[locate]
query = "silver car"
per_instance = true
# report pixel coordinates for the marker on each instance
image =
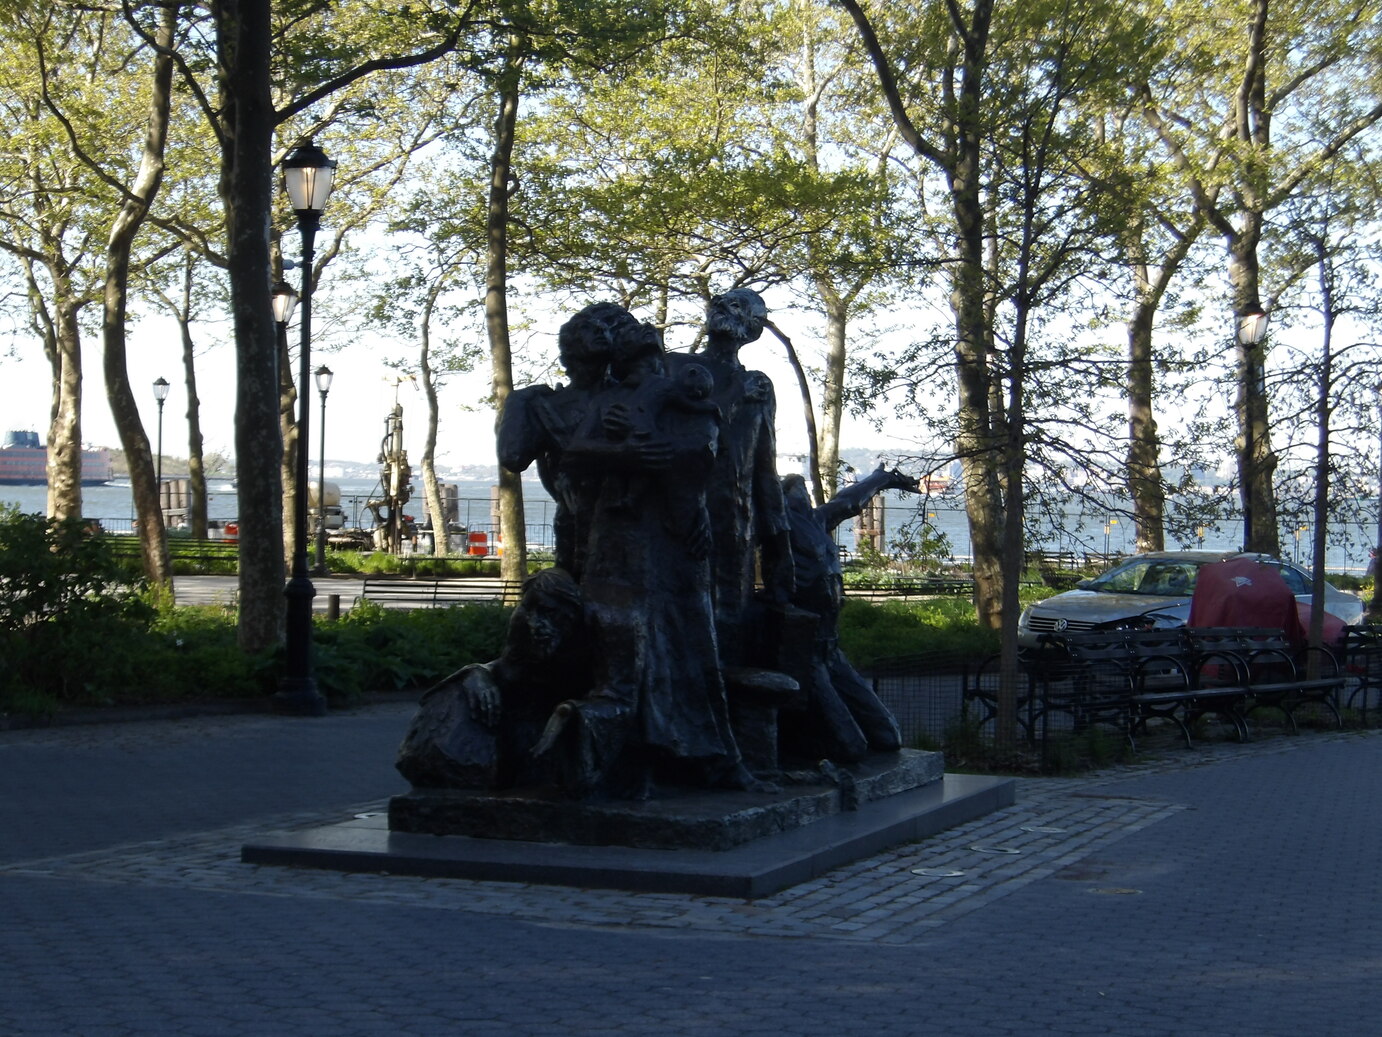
(1152, 592)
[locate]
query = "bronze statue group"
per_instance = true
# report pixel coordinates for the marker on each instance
(692, 609)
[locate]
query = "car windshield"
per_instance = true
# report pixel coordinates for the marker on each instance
(1159, 576)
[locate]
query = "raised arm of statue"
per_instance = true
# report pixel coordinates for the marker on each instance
(850, 500)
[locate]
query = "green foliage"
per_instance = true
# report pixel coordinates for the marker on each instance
(919, 543)
(870, 632)
(372, 648)
(75, 633)
(381, 563)
(196, 655)
(71, 628)
(189, 556)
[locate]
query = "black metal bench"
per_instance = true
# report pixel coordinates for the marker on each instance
(1362, 662)
(1268, 669)
(1124, 678)
(414, 593)
(1127, 678)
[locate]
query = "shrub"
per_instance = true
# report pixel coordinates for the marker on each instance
(381, 563)
(372, 648)
(869, 632)
(198, 656)
(72, 629)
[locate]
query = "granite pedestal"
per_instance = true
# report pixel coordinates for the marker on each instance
(739, 844)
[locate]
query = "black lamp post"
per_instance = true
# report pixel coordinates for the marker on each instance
(307, 176)
(323, 387)
(161, 395)
(1252, 328)
(1375, 563)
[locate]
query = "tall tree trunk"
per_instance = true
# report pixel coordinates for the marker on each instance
(514, 565)
(833, 397)
(196, 469)
(825, 459)
(976, 444)
(430, 488)
(958, 157)
(58, 328)
(288, 425)
(1252, 129)
(1145, 484)
(1014, 457)
(123, 408)
(244, 29)
(1256, 461)
(1323, 414)
(65, 427)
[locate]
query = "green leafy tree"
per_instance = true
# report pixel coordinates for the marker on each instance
(51, 210)
(1252, 118)
(997, 108)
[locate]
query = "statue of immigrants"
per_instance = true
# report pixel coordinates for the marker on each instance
(653, 653)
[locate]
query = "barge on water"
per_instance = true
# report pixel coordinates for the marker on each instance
(24, 462)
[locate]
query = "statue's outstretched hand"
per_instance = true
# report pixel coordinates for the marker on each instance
(899, 481)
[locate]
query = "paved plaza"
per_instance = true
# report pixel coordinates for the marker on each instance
(1226, 890)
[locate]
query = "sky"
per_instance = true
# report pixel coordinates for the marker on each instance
(362, 394)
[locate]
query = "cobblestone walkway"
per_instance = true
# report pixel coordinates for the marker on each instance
(898, 896)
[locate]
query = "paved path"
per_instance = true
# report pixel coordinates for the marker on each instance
(1230, 890)
(222, 590)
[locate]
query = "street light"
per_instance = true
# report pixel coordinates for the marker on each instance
(307, 177)
(323, 387)
(161, 395)
(1252, 328)
(1375, 563)
(285, 301)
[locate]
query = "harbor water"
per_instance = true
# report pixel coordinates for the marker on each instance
(1108, 534)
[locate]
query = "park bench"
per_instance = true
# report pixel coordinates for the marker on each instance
(1127, 678)
(904, 587)
(1362, 663)
(1060, 570)
(406, 592)
(1123, 678)
(1053, 560)
(1272, 672)
(187, 554)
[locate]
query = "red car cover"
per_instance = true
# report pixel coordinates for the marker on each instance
(1242, 592)
(1333, 630)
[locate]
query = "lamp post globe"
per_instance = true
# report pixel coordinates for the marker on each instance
(307, 178)
(1252, 325)
(285, 298)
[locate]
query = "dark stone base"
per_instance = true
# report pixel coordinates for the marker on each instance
(680, 819)
(756, 868)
